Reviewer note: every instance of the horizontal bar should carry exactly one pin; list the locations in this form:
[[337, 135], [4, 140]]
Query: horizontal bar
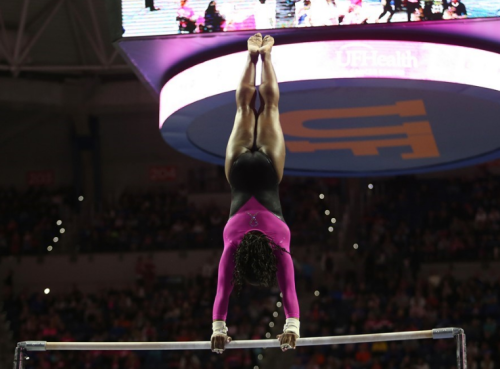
[[205, 345]]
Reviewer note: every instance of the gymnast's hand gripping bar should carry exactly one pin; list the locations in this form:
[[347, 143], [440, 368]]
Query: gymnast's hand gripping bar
[[438, 333]]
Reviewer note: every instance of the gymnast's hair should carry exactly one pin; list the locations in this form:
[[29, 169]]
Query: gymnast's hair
[[255, 261]]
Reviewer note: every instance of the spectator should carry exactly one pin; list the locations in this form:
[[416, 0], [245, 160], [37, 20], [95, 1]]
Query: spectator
[[214, 21], [411, 7], [455, 10], [387, 8], [186, 18]]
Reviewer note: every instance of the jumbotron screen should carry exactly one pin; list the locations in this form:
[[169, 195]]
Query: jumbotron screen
[[172, 17]]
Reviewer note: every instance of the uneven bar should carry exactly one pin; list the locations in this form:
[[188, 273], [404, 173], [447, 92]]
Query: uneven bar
[[242, 344]]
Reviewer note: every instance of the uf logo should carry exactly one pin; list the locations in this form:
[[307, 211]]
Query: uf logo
[[418, 134]]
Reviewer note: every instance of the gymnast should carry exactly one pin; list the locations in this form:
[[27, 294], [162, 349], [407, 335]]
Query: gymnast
[[256, 237]]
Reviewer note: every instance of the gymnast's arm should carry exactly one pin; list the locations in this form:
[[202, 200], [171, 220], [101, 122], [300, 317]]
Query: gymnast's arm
[[286, 281], [224, 288]]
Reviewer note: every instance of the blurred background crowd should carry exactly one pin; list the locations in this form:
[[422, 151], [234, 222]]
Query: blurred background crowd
[[400, 227], [180, 310], [428, 219]]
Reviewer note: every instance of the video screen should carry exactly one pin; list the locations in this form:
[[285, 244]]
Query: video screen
[[170, 17]]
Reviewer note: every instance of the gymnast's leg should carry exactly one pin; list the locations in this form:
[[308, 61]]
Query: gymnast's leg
[[242, 140], [269, 137], [242, 137]]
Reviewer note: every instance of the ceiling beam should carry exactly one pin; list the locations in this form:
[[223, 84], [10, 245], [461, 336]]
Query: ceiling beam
[[40, 30], [20, 33], [88, 35], [4, 46], [113, 57], [76, 34], [97, 30]]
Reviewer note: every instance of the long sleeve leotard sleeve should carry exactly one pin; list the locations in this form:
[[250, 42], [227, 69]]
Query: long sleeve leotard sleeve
[[224, 284], [286, 281]]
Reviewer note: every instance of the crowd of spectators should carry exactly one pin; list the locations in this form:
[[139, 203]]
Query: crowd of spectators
[[176, 308], [436, 220], [389, 301], [166, 220], [152, 221], [169, 309], [28, 219], [404, 218]]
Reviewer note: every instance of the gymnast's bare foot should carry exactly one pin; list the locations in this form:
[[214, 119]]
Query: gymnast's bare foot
[[267, 45], [254, 44]]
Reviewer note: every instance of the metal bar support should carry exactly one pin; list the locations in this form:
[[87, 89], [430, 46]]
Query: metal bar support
[[461, 351]]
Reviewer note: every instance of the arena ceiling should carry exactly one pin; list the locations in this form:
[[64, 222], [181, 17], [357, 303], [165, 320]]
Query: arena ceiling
[[55, 39]]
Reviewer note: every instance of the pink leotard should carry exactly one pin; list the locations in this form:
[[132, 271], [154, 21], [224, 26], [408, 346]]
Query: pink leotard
[[254, 216]]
